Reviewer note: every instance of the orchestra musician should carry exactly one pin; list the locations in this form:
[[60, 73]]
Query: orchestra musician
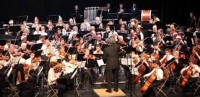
[[121, 9], [53, 76], [69, 64], [88, 70], [178, 62], [98, 50], [158, 72], [190, 75], [56, 48], [108, 8]]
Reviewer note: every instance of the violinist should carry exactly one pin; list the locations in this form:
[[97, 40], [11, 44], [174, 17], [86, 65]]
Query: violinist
[[31, 66], [69, 64], [31, 61], [99, 40], [193, 76], [3, 60], [62, 53], [156, 82], [90, 63], [24, 50], [53, 76], [121, 41], [98, 50]]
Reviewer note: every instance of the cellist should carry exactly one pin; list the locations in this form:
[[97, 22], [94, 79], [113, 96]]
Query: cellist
[[158, 72], [193, 77]]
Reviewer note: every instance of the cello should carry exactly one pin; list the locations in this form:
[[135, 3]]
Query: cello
[[148, 82], [141, 68], [186, 76]]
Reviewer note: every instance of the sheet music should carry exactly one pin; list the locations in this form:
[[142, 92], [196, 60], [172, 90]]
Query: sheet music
[[9, 72], [81, 64], [100, 62], [126, 61]]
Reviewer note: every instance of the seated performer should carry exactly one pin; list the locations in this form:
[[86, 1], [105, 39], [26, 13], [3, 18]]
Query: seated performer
[[191, 73], [53, 76], [158, 72]]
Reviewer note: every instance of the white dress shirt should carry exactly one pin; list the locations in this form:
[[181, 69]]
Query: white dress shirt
[[195, 70], [159, 73]]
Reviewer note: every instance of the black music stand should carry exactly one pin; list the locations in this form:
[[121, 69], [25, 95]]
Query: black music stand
[[38, 53], [80, 57], [65, 38], [198, 35], [14, 29], [33, 37], [7, 73], [36, 47], [77, 82], [3, 30], [53, 18], [21, 19], [49, 37], [125, 16]]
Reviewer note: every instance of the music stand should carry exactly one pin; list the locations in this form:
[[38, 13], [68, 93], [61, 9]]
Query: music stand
[[14, 29], [53, 18], [38, 53], [76, 81], [80, 57], [198, 35], [36, 47], [20, 19], [3, 30], [33, 37], [14, 92]]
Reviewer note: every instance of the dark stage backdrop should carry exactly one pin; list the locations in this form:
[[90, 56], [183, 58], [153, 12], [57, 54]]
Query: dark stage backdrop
[[169, 10]]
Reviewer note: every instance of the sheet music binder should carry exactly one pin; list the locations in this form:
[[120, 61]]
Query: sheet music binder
[[33, 37], [38, 53], [100, 62], [80, 57], [36, 47]]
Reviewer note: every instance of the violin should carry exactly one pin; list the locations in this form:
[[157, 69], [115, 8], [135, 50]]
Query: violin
[[186, 76], [36, 59], [4, 58], [1, 47], [27, 68], [58, 68]]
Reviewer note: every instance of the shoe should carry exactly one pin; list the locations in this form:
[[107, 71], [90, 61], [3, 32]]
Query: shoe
[[109, 90], [116, 89]]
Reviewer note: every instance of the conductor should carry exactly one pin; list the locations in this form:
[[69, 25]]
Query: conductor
[[112, 64]]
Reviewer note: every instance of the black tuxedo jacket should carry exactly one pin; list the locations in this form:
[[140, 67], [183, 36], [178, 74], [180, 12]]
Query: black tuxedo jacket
[[111, 55]]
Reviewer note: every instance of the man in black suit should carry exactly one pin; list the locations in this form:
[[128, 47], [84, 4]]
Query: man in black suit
[[108, 6], [112, 64]]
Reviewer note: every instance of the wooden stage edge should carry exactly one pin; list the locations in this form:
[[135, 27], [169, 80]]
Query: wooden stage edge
[[102, 93]]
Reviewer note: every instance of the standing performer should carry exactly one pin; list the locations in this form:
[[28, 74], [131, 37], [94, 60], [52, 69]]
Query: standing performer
[[112, 64]]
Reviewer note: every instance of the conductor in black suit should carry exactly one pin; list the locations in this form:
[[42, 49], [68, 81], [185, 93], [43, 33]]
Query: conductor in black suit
[[112, 64]]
